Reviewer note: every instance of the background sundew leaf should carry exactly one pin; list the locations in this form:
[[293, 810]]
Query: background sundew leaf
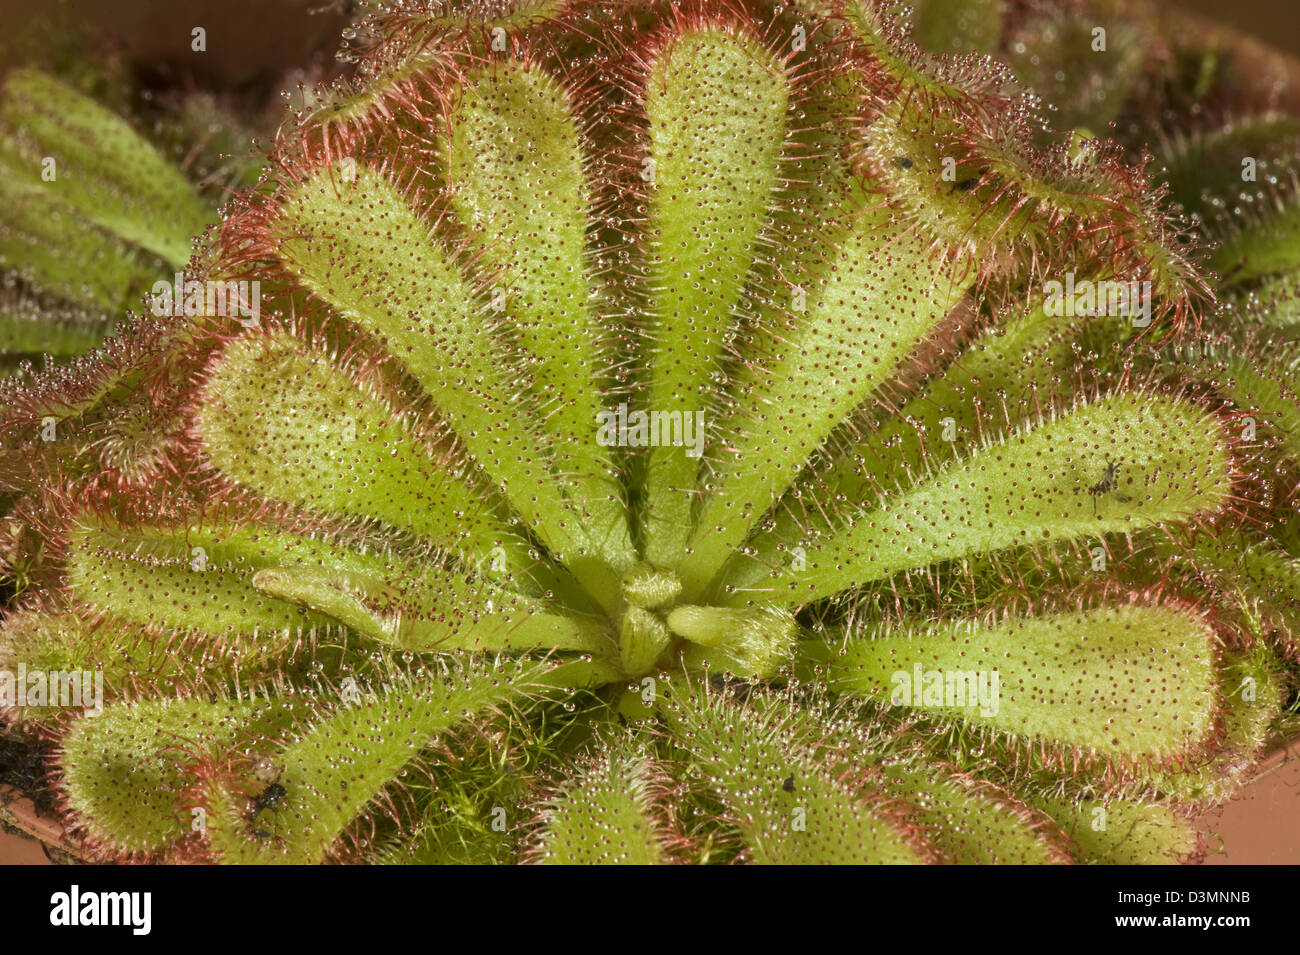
[[283, 420], [515, 170], [1127, 682], [29, 325], [338, 763], [879, 35], [47, 241], [1257, 571], [128, 766], [1086, 74], [1035, 486], [1124, 832], [879, 298], [1265, 386], [410, 294], [1271, 247], [958, 26], [606, 815], [716, 103], [1276, 302], [109, 174], [95, 208], [816, 819], [1202, 167]]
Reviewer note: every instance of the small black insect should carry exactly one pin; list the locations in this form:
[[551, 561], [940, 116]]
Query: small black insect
[[965, 185], [270, 797], [1108, 485], [788, 784], [902, 162]]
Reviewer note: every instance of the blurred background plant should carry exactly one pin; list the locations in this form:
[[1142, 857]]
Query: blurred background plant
[[153, 135]]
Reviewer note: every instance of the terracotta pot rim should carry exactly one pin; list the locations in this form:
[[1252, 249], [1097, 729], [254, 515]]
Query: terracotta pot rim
[[1277, 756], [18, 814]]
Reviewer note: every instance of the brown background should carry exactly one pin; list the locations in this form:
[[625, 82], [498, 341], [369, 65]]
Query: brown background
[[248, 41], [1274, 21], [252, 40]]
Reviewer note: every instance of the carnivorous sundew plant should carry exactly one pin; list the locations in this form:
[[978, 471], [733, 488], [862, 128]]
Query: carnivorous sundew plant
[[677, 432]]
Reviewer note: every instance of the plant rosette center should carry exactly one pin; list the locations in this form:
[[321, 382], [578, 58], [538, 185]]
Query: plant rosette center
[[657, 629]]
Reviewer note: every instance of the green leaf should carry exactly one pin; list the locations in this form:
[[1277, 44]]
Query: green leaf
[[609, 812], [642, 639], [1127, 683], [716, 103], [48, 243], [353, 238], [337, 765], [196, 578], [1253, 699], [424, 608], [754, 643], [785, 800], [513, 138], [1258, 577], [1265, 386], [958, 26], [1085, 74], [1026, 357], [1267, 243], [1204, 166], [125, 771], [278, 417], [1041, 484], [1124, 832], [33, 325], [123, 658], [102, 168], [974, 823], [880, 296]]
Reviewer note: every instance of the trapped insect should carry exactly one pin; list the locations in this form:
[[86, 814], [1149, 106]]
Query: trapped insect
[[270, 797], [1108, 485]]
